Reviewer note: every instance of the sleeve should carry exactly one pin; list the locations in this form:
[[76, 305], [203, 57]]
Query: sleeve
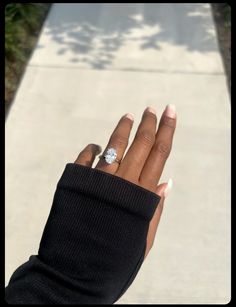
[[93, 243]]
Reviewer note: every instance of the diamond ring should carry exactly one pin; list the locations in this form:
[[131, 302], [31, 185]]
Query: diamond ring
[[110, 156]]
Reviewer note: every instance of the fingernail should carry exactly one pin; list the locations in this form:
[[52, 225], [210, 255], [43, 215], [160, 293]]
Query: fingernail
[[170, 111], [151, 110], [130, 116], [168, 188]]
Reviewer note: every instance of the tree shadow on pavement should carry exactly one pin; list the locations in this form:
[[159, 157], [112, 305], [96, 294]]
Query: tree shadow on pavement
[[94, 32]]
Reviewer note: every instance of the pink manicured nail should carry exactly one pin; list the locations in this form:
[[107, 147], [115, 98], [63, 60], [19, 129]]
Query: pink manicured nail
[[168, 188], [130, 116], [151, 110], [170, 111]]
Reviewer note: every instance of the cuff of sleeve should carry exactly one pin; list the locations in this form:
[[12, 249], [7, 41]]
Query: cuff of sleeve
[[109, 189]]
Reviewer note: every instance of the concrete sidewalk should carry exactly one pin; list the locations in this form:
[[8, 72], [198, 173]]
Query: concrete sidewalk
[[92, 64]]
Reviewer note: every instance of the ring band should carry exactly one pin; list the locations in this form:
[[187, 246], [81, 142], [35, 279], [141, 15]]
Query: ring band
[[110, 156]]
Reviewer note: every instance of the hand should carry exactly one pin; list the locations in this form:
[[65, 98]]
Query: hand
[[144, 161]]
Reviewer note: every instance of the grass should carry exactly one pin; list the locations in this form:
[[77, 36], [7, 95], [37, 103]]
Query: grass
[[23, 22], [227, 15], [222, 18]]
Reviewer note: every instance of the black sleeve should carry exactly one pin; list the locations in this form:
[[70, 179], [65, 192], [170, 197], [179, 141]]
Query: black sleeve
[[93, 243]]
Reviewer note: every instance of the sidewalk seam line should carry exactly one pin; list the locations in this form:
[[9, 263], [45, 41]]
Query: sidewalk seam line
[[131, 70]]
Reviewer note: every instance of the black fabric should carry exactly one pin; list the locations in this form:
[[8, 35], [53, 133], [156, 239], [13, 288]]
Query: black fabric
[[93, 243]]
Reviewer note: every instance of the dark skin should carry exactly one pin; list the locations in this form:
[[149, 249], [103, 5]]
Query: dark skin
[[145, 159]]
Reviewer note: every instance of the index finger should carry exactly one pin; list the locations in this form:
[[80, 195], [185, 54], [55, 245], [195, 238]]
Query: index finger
[[156, 160]]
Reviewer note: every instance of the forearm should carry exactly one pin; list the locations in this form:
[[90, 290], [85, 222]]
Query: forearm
[[93, 244]]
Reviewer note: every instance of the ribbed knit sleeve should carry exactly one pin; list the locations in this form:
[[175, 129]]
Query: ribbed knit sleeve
[[93, 243]]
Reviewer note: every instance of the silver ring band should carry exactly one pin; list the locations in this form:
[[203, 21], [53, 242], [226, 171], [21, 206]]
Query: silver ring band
[[118, 161]]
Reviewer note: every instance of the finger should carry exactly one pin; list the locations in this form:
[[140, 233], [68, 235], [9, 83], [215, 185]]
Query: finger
[[162, 190], [88, 154], [119, 140], [139, 150], [154, 165]]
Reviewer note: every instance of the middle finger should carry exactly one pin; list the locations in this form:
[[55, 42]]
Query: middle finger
[[118, 140], [139, 150]]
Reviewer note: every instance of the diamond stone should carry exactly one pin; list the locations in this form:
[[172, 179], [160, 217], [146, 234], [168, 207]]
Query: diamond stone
[[110, 155]]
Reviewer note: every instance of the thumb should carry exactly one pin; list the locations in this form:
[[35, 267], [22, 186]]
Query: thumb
[[87, 156]]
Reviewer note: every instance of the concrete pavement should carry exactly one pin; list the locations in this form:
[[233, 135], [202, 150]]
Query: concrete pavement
[[92, 64]]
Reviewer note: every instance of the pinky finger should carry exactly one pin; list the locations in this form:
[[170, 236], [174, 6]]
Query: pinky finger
[[162, 190], [87, 156], [155, 219]]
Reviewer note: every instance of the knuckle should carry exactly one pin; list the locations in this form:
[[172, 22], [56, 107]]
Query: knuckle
[[169, 122], [88, 148], [150, 115], [119, 140], [146, 138], [162, 149], [84, 154]]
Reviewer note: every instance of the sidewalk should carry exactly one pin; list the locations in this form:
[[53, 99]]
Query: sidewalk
[[92, 64]]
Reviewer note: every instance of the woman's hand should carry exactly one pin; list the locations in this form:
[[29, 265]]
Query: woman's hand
[[145, 159], [100, 226]]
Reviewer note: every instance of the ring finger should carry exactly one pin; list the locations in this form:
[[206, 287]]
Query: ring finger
[[119, 141]]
